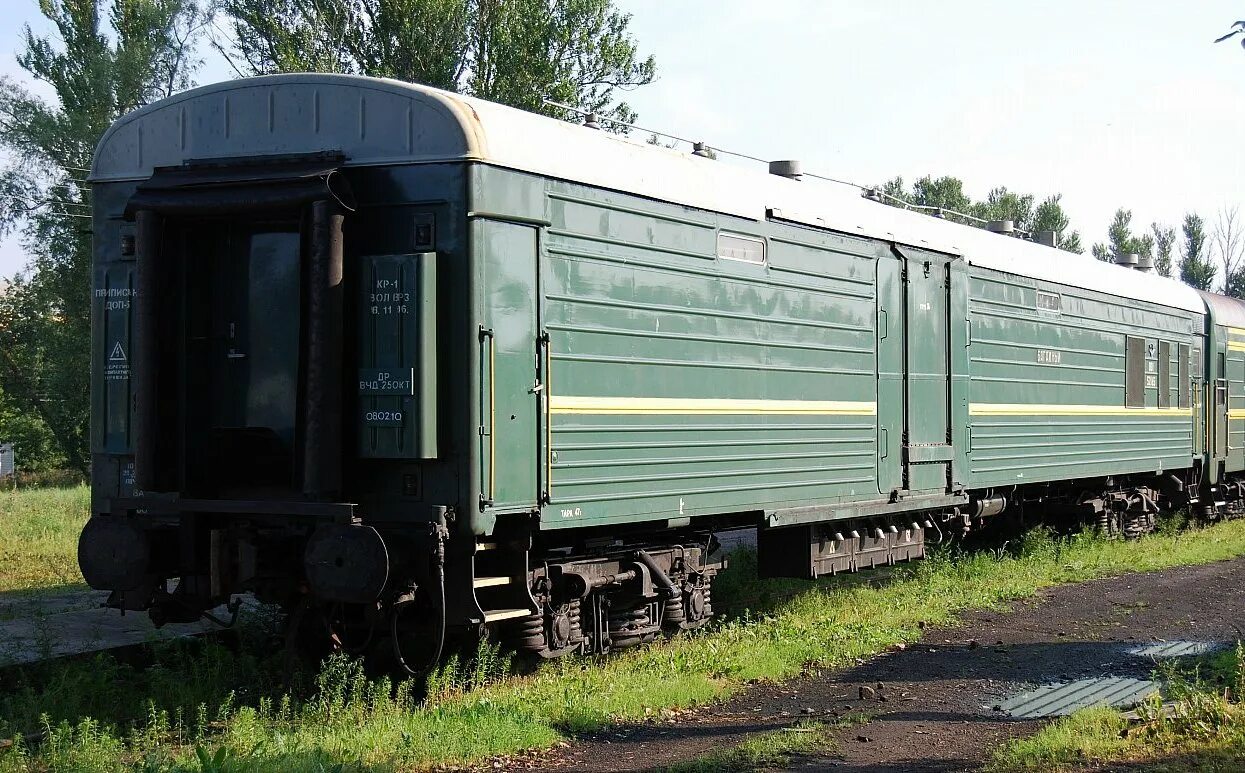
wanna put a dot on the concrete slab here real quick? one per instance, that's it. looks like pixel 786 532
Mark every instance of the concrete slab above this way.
pixel 35 627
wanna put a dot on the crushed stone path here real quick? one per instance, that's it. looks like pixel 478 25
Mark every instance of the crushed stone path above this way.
pixel 935 710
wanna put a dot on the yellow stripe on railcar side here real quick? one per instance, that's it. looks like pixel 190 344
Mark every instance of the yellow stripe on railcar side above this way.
pixel 1042 409
pixel 1236 339
pixel 659 406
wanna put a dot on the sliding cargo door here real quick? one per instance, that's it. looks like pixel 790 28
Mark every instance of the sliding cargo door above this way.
pixel 511 391
pixel 928 452
pixel 891 366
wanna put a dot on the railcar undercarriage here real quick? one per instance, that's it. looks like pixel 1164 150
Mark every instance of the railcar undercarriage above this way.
pixel 400 592
pixel 623 597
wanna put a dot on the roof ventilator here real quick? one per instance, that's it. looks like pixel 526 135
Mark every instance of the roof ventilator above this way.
pixel 788 168
pixel 1047 238
pixel 1145 264
pixel 1128 260
pixel 1007 227
pixel 702 150
pixel 592 121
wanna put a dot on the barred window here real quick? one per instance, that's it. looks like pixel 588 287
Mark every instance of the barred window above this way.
pixel 747 249
pixel 1165 374
pixel 1134 372
pixel 1184 397
pixel 1049 301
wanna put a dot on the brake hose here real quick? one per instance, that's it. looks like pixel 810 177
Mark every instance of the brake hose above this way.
pixel 438 570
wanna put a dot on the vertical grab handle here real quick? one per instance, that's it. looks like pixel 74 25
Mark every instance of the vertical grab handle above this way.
pixel 490 480
pixel 546 361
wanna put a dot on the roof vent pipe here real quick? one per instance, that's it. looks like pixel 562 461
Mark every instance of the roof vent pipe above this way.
pixel 1047 238
pixel 789 169
pixel 1001 226
pixel 1127 259
pixel 1145 263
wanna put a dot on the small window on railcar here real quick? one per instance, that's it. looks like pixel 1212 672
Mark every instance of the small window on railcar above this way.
pixel 746 249
pixel 1184 396
pixel 1049 301
pixel 1195 362
pixel 1134 372
pixel 1165 374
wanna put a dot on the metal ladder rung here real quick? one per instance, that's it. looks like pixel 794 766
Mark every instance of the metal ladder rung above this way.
pixel 505 614
pixel 491 582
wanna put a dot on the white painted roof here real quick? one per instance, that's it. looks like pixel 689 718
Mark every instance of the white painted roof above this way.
pixel 376 121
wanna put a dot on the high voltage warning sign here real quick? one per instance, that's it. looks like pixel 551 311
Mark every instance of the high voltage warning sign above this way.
pixel 118 366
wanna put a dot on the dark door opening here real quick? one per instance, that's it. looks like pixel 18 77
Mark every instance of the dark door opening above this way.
pixel 244 329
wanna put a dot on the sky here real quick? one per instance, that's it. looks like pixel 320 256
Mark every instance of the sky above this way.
pixel 1110 103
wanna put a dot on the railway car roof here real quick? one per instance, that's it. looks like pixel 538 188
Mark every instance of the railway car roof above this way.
pixel 376 121
pixel 1225 309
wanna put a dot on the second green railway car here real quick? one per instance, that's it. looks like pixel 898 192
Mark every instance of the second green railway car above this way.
pixel 408 362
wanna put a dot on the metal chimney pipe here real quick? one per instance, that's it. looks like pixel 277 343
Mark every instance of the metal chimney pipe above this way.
pixel 788 168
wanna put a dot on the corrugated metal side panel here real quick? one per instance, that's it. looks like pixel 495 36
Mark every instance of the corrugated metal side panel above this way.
pixel 1180 648
pixel 1047 386
pixel 1235 374
pixel 682 383
pixel 1059 700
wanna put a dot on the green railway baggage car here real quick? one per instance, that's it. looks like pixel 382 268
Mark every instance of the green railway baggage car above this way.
pixel 410 363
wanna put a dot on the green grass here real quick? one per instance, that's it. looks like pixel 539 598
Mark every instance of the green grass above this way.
pixel 39 546
pixel 481 710
pixel 763 750
pixel 1198 726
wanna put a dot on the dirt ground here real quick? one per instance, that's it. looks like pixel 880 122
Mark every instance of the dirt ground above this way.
pixel 933 704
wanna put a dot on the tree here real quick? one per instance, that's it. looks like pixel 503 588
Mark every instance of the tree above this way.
pixel 946 195
pixel 1002 204
pixel 1164 242
pixel 36 448
pixel 1049 216
pixel 1238 28
pixel 96 72
pixel 1196 268
pixel 1228 242
pixel 517 52
pixel 1122 241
